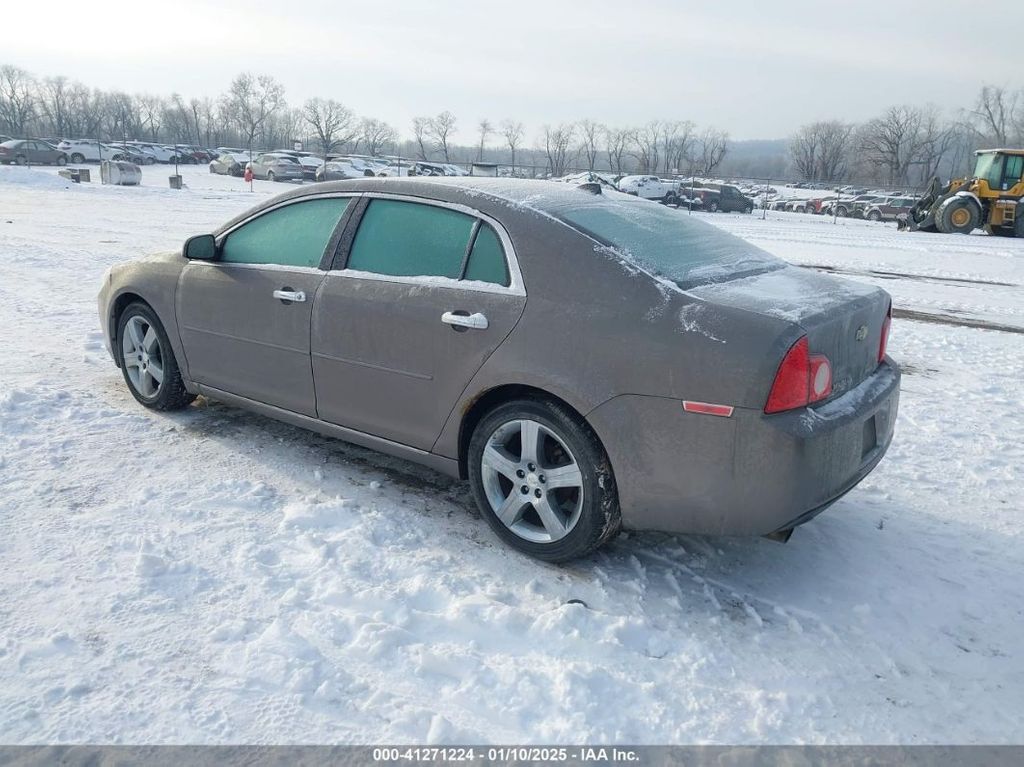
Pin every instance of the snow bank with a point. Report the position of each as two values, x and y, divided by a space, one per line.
33 177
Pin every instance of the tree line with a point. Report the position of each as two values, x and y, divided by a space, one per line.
905 145
908 144
253 112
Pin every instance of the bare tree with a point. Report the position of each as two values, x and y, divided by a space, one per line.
677 144
645 147
905 137
440 129
557 142
17 102
513 133
821 150
995 111
54 104
616 144
331 121
376 134
250 102
713 145
590 135
420 132
485 128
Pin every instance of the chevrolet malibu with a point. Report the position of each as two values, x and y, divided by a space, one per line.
588 360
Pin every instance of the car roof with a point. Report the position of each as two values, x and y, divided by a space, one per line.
472 191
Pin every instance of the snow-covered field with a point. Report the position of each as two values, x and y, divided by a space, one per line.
215 577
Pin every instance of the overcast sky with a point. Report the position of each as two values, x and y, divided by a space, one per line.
758 69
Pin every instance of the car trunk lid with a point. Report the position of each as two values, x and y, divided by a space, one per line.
842 319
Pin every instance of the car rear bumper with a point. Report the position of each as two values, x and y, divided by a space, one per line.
748 474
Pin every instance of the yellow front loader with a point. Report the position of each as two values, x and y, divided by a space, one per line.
993 198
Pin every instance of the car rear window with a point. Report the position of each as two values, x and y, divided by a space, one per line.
665 241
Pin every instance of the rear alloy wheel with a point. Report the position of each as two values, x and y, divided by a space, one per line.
147 360
958 215
542 480
874 215
841 212
77 158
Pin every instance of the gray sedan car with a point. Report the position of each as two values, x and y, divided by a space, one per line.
587 360
276 167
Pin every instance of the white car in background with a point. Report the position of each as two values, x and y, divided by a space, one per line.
87 150
650 188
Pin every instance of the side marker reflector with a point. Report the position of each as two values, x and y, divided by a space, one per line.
707 408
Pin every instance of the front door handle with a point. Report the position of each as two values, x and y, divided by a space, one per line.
296 296
476 321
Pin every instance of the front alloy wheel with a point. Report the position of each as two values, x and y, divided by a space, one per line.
542 480
147 360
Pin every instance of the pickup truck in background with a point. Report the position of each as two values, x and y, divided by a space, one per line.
650 188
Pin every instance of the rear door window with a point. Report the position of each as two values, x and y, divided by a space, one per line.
409 239
293 235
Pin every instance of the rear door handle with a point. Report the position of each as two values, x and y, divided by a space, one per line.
476 321
297 296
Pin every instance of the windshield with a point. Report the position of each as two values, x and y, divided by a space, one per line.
990 168
663 241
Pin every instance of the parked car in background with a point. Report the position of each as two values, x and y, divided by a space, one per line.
731 199
229 164
35 151
650 188
888 210
276 167
844 206
132 154
429 333
89 150
310 165
338 170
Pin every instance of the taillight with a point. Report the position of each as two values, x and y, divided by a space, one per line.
884 340
802 378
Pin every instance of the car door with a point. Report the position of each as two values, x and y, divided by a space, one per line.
424 294
244 318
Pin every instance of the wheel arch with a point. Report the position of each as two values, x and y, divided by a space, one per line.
121 302
498 395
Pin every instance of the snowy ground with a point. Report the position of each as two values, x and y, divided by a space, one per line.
213 576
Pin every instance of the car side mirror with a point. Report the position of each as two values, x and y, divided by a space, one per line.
202 247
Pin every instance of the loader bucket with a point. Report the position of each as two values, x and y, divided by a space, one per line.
921 217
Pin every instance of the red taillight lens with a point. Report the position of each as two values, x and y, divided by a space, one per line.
792 383
802 378
884 341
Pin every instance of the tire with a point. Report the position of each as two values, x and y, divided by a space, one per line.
874 215
62 160
842 212
270 175
138 351
958 215
211 169
150 161
582 515
670 199
749 209
21 160
77 158
712 207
